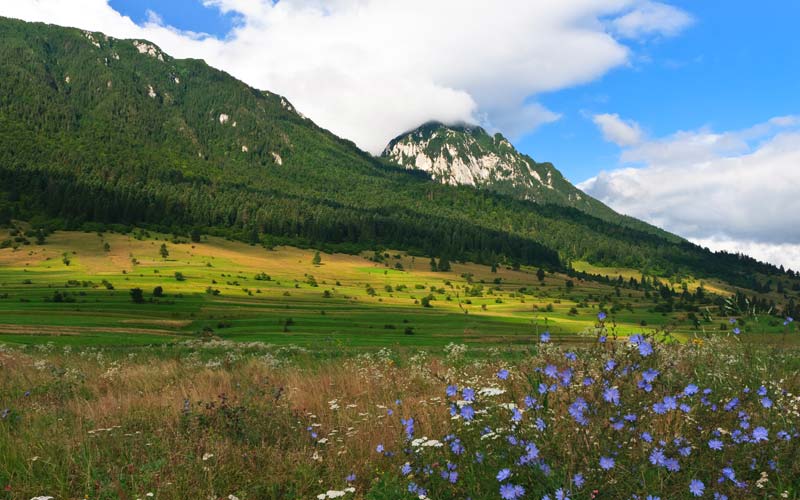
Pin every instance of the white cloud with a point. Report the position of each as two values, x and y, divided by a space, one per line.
617 130
652 17
370 69
736 190
785 254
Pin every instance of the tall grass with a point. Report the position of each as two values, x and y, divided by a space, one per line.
250 421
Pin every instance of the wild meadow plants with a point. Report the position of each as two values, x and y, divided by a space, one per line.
639 417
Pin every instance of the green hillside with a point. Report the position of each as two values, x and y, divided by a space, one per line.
467 154
97 131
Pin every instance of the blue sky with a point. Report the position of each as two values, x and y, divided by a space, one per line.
735 66
682 113
188 15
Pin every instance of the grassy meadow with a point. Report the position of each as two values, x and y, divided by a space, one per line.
233 420
75 290
246 373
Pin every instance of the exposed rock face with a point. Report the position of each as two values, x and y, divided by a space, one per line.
468 155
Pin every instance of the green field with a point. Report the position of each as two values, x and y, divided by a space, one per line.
73 289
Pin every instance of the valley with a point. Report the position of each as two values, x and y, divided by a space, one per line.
75 289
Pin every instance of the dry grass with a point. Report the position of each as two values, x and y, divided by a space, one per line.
91 419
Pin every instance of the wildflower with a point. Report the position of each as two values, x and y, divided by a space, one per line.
691 390
766 402
729 474
350 478
502 374
760 434
715 444
545 337
645 349
650 375
578 480
730 405
601 316
207 456
560 495
788 320
737 331
467 413
379 448
503 475
602 339
531 454
610 365
408 425
405 469
468 394
451 390
606 463
657 456
516 415
510 491
646 437
696 487
611 395
576 410
571 356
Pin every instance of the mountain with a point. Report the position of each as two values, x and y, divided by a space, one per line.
100 132
468 155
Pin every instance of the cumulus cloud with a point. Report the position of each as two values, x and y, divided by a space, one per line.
736 190
652 17
371 69
617 130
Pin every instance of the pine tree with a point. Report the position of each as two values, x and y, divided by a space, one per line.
164 251
317 260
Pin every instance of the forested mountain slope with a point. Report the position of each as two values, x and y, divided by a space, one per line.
468 155
100 130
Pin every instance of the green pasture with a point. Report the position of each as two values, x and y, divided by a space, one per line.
75 289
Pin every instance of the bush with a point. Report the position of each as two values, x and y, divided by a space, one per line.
137 296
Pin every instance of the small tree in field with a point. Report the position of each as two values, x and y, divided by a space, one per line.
164 251
137 296
540 274
158 291
317 259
